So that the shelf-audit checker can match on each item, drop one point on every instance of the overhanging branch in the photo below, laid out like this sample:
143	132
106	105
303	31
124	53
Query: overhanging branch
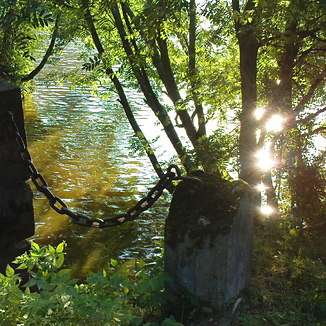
47	54
306	98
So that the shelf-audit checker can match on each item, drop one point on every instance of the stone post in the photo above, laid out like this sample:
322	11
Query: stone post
208	236
16	199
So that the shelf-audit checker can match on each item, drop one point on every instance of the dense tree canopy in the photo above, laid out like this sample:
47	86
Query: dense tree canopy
218	63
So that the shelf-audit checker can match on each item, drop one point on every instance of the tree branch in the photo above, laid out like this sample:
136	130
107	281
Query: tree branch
316	131
151	98
192	69
47	54
162	63
123	99
306	98
312	116
236	5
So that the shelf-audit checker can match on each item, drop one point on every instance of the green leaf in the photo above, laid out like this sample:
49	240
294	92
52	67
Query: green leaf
10	271
113	263
60	247
60	261
22	266
51	249
30	283
35	246
64	271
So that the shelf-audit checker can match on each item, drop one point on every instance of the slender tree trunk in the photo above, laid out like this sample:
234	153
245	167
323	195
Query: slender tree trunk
170	84
248	45
192	69
271	198
286	64
123	99
162	63
151	98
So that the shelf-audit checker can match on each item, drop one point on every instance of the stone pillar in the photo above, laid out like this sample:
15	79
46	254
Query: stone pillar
208	236
16	199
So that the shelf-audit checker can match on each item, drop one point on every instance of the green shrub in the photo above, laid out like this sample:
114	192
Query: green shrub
120	295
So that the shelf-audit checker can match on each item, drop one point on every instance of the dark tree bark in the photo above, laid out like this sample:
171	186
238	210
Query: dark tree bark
162	63
248	45
166	75
150	96
199	110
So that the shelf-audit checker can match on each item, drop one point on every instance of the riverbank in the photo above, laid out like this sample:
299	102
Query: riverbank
287	289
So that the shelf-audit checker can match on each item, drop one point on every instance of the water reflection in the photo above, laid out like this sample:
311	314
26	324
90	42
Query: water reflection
80	144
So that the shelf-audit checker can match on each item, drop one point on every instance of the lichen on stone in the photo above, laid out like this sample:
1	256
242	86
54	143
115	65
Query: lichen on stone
202	210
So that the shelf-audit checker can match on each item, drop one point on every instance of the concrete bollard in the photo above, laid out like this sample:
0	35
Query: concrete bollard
208	236
16	198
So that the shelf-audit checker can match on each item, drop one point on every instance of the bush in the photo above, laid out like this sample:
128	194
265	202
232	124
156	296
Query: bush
120	295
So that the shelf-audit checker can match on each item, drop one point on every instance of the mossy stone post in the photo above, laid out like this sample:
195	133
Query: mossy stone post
208	236
16	198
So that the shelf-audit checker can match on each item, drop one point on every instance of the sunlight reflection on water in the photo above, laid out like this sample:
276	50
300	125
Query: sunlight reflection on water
80	143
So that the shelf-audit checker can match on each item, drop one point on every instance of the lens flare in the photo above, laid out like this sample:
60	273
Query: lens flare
275	123
258	113
261	187
264	160
266	210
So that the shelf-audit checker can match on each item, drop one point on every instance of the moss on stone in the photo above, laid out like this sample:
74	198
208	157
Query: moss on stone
202	211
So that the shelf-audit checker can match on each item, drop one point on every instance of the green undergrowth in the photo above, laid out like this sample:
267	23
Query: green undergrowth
288	288
289	278
122	294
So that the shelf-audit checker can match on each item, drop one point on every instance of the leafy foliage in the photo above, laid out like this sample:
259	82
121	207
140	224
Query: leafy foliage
92	63
120	295
20	25
287	288
290	81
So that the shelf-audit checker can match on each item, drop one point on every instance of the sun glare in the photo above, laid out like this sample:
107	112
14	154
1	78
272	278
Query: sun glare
261	187
275	123
266	210
258	113
264	160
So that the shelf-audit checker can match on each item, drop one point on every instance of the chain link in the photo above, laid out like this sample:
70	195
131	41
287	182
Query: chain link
57	204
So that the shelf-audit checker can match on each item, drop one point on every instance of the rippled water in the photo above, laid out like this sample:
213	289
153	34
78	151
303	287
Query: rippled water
81	144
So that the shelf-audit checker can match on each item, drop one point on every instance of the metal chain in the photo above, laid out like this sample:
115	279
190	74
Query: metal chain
61	207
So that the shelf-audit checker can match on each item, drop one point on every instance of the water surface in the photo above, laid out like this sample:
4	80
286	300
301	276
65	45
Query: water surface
81	145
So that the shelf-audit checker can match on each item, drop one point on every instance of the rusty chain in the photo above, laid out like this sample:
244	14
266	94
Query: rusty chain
61	207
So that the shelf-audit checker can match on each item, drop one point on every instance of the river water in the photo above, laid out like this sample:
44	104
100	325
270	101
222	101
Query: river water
81	144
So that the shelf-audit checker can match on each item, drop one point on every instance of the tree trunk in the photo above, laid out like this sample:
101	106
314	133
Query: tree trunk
124	100
47	55
151	98
192	69
248	45
162	63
